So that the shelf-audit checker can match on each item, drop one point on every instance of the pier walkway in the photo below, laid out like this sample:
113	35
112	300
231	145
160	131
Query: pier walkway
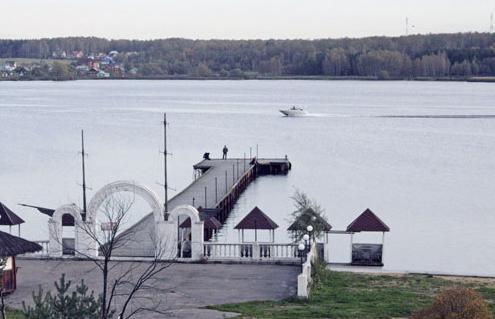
218	184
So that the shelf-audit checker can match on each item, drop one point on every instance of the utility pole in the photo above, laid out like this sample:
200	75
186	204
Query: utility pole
165	154
491	22
83	155
407	26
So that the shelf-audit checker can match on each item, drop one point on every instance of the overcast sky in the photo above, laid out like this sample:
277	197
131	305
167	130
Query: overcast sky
239	19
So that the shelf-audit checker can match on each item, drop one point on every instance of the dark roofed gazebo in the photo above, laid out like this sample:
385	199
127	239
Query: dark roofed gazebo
11	246
309	217
9	218
367	222
257	219
211	225
367	254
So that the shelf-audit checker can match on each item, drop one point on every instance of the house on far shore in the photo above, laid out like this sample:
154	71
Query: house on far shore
7	69
102	74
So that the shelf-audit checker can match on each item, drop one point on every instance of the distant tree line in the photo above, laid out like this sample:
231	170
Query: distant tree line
415	56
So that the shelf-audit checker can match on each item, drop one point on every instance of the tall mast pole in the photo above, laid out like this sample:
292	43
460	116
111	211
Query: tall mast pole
165	185
83	155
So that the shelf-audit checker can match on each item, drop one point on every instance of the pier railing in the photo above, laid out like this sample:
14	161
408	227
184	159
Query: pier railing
251	251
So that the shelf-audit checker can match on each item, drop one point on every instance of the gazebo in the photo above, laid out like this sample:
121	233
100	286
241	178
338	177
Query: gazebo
211	224
367	254
309	217
11	246
9	218
255	220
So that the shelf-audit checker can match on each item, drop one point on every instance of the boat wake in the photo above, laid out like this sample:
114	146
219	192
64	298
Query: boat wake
448	116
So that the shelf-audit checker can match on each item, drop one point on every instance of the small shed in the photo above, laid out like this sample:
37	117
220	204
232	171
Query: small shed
367	254
11	246
9	218
255	220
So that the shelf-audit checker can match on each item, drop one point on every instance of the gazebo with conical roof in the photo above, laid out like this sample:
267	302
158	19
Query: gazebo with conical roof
257	220
367	254
9	218
309	217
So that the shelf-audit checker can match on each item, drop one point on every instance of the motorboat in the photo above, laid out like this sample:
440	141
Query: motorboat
294	111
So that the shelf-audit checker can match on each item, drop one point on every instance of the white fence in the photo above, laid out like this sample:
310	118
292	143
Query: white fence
251	251
304	279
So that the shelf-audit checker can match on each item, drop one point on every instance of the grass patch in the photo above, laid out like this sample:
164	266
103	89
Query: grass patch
353	295
14	314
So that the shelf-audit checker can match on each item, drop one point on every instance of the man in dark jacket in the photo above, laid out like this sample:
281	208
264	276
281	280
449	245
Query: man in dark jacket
225	151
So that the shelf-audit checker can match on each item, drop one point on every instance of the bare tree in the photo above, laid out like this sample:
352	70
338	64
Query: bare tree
126	285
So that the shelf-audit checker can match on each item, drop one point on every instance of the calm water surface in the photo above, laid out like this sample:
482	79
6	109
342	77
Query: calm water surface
419	154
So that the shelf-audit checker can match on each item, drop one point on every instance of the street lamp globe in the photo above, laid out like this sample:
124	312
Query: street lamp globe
309	228
301	247
306	237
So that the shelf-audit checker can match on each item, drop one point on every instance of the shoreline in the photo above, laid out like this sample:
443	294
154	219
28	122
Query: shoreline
264	78
379	271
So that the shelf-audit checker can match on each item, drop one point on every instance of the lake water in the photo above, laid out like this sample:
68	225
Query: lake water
421	155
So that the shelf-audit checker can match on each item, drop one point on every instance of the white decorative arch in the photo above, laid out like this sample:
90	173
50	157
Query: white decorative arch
125	186
168	230
55	228
187	210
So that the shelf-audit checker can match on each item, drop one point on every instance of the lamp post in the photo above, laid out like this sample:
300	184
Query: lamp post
309	229
301	247
306	239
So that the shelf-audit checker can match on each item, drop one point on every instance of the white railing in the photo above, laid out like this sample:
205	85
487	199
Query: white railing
251	251
304	279
43	252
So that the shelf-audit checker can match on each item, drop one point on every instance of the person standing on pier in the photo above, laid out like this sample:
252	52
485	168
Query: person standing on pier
225	151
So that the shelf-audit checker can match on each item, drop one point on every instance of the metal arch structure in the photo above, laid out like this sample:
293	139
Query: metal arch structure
140	190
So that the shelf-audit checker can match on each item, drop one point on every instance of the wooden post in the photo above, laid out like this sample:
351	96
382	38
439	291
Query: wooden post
352	241
216	190
383	246
226	182
244	169
233	174
206	202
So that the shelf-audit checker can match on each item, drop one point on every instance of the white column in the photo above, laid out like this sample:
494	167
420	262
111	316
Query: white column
55	233
167	239
197	237
256	250
85	245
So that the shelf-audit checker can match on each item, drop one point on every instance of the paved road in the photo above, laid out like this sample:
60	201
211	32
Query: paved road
183	288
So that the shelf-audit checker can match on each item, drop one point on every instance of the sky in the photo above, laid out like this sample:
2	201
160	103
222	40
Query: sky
239	19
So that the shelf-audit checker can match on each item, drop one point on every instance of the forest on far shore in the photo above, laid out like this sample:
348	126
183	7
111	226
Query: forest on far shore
460	55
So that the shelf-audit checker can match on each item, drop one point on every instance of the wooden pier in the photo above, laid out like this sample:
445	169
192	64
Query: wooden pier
242	173
217	186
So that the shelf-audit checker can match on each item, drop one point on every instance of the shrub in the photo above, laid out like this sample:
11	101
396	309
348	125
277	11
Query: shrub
456	303
64	304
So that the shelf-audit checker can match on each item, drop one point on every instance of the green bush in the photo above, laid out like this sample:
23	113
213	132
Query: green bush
64	304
